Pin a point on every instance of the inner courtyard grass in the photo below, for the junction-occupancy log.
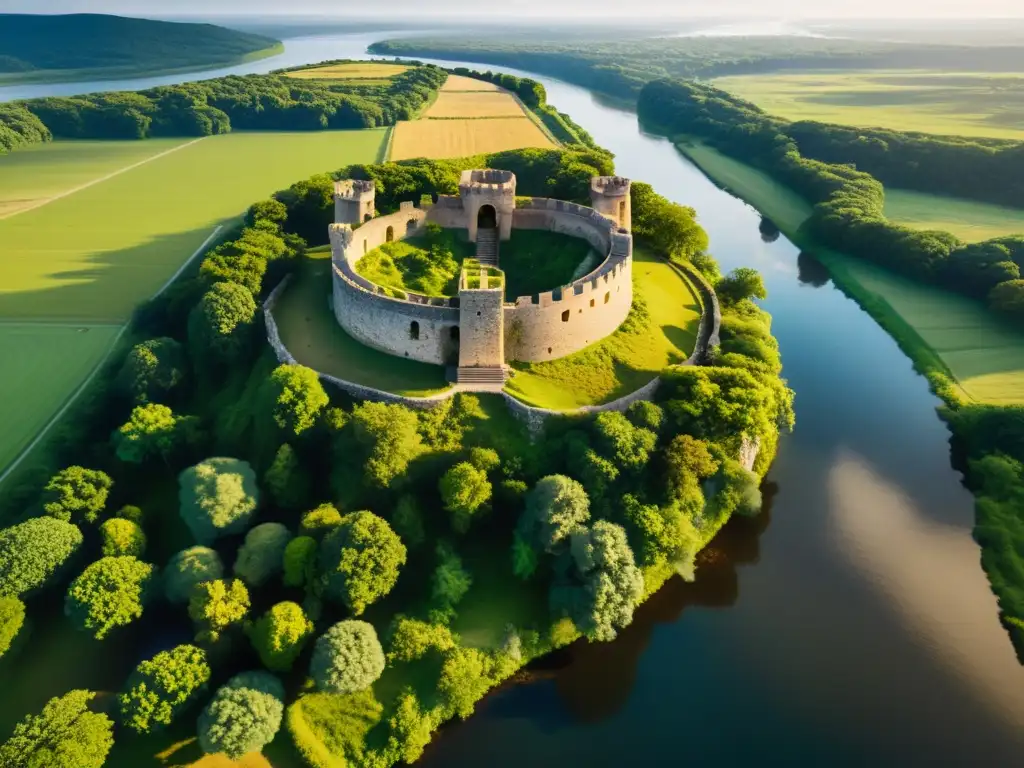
(437, 139)
(662, 331)
(311, 333)
(41, 171)
(971, 221)
(536, 261)
(409, 265)
(355, 70)
(42, 367)
(952, 103)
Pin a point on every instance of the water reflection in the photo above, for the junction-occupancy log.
(810, 271)
(769, 232)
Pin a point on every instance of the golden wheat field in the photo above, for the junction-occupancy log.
(458, 83)
(459, 138)
(352, 71)
(474, 105)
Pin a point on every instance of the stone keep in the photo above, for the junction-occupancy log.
(354, 201)
(481, 188)
(610, 197)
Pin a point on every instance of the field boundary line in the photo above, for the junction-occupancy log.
(46, 201)
(99, 366)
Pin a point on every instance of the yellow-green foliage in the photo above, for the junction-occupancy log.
(122, 537)
(329, 730)
(280, 634)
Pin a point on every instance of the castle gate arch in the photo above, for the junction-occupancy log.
(487, 217)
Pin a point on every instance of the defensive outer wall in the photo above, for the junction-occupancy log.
(478, 329)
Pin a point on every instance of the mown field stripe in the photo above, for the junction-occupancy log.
(47, 200)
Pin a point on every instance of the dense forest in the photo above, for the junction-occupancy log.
(848, 216)
(321, 554)
(209, 107)
(623, 67)
(37, 44)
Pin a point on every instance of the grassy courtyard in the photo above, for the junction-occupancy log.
(952, 103)
(971, 221)
(311, 333)
(661, 331)
(411, 265)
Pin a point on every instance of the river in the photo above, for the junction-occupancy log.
(850, 625)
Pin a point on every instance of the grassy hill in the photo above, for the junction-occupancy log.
(35, 48)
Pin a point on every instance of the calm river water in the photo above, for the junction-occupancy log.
(850, 625)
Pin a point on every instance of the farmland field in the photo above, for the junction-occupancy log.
(43, 365)
(626, 360)
(961, 104)
(350, 71)
(469, 105)
(459, 138)
(969, 220)
(458, 83)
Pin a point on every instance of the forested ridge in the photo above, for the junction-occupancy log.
(209, 107)
(37, 43)
(316, 544)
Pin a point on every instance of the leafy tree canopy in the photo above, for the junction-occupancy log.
(217, 605)
(347, 658)
(122, 537)
(110, 593)
(66, 734)
(152, 370)
(218, 497)
(243, 716)
(296, 397)
(280, 634)
(261, 556)
(32, 552)
(465, 489)
(161, 687)
(189, 568)
(77, 494)
(360, 560)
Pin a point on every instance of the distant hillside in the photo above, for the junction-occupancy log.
(37, 47)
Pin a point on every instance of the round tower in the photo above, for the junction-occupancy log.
(354, 201)
(489, 200)
(609, 196)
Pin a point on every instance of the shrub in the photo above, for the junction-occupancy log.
(320, 521)
(486, 459)
(152, 369)
(412, 639)
(262, 554)
(360, 560)
(243, 716)
(300, 561)
(408, 729)
(450, 581)
(218, 497)
(162, 687)
(122, 537)
(31, 553)
(280, 634)
(347, 658)
(464, 491)
(153, 431)
(12, 618)
(741, 283)
(463, 682)
(67, 734)
(287, 481)
(129, 512)
(555, 508)
(295, 396)
(77, 494)
(216, 605)
(110, 593)
(189, 568)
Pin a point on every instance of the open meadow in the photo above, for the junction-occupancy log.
(971, 221)
(437, 139)
(358, 70)
(661, 331)
(88, 258)
(960, 104)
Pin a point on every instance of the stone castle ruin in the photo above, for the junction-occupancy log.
(478, 331)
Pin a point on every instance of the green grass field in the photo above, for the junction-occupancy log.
(984, 356)
(971, 221)
(536, 261)
(628, 359)
(311, 333)
(960, 104)
(87, 259)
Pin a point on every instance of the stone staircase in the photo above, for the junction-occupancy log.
(487, 247)
(482, 377)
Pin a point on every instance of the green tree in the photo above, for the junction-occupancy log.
(280, 634)
(77, 494)
(152, 370)
(131, 513)
(603, 585)
(295, 397)
(32, 553)
(486, 459)
(463, 682)
(122, 537)
(1007, 299)
(162, 687)
(409, 729)
(646, 415)
(153, 430)
(66, 734)
(220, 328)
(624, 444)
(407, 520)
(12, 618)
(555, 508)
(464, 491)
(261, 556)
(288, 482)
(188, 569)
(218, 497)
(320, 521)
(347, 658)
(412, 639)
(270, 210)
(450, 581)
(243, 716)
(360, 560)
(687, 461)
(388, 438)
(299, 562)
(741, 283)
(110, 593)
(217, 605)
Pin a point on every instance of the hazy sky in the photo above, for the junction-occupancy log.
(413, 8)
